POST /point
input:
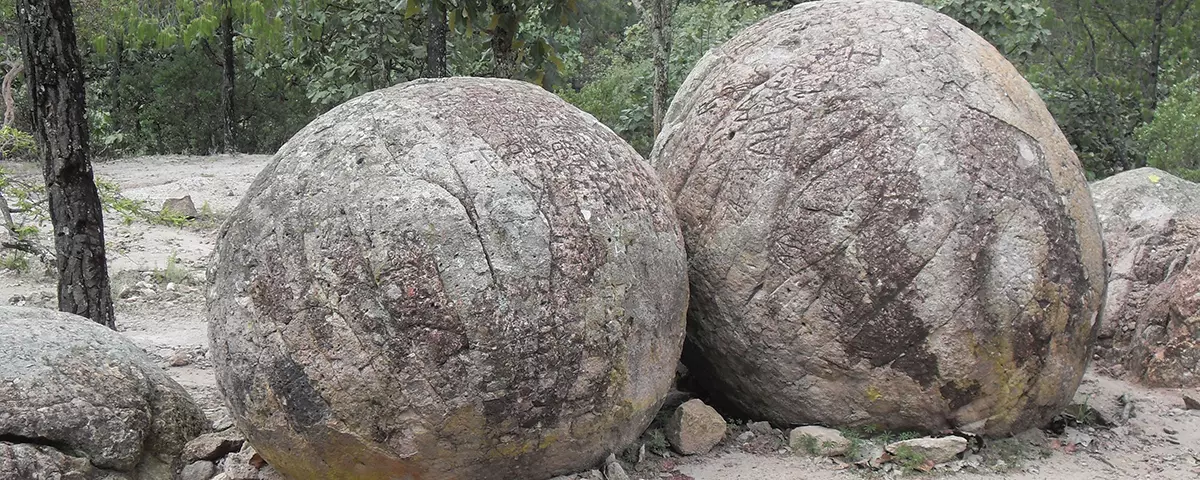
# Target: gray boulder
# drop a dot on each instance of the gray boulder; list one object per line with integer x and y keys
{"x": 695, "y": 428}
{"x": 884, "y": 226}
{"x": 818, "y": 440}
{"x": 1151, "y": 225}
{"x": 78, "y": 400}
{"x": 461, "y": 278}
{"x": 180, "y": 207}
{"x": 929, "y": 449}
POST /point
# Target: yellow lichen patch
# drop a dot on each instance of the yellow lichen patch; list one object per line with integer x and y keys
{"x": 1006, "y": 382}
{"x": 336, "y": 455}
{"x": 873, "y": 393}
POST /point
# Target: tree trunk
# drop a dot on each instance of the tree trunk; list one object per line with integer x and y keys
{"x": 54, "y": 72}
{"x": 660, "y": 36}
{"x": 10, "y": 111}
{"x": 435, "y": 41}
{"x": 1154, "y": 63}
{"x": 227, "y": 78}
{"x": 503, "y": 57}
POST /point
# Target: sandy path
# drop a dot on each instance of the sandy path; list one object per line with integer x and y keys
{"x": 168, "y": 322}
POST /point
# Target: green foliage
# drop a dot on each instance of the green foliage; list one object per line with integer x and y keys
{"x": 1015, "y": 27}
{"x": 810, "y": 445}
{"x": 17, "y": 145}
{"x": 173, "y": 273}
{"x": 15, "y": 261}
{"x": 908, "y": 458}
{"x": 619, "y": 96}
{"x": 1172, "y": 140}
{"x": 656, "y": 441}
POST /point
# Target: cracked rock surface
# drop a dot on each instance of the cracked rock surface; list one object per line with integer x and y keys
{"x": 461, "y": 278}
{"x": 1152, "y": 312}
{"x": 884, "y": 226}
{"x": 78, "y": 400}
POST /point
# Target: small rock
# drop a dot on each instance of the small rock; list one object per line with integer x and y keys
{"x": 937, "y": 450}
{"x": 817, "y": 440}
{"x": 744, "y": 436}
{"x": 1190, "y": 402}
{"x": 695, "y": 428}
{"x": 222, "y": 422}
{"x": 613, "y": 469}
{"x": 594, "y": 475}
{"x": 171, "y": 286}
{"x": 1169, "y": 431}
{"x": 221, "y": 476}
{"x": 180, "y": 207}
{"x": 201, "y": 470}
{"x": 212, "y": 446}
{"x": 180, "y": 359}
{"x": 761, "y": 428}
{"x": 1077, "y": 437}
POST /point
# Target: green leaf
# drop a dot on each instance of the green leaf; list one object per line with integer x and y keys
{"x": 100, "y": 44}
{"x": 413, "y": 8}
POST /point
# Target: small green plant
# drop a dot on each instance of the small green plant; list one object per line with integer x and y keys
{"x": 1084, "y": 414}
{"x": 908, "y": 458}
{"x": 860, "y": 447}
{"x": 656, "y": 440}
{"x": 18, "y": 145}
{"x": 810, "y": 445}
{"x": 170, "y": 218}
{"x": 173, "y": 273}
{"x": 15, "y": 261}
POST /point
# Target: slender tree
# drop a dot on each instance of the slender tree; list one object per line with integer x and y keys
{"x": 228, "y": 63}
{"x": 659, "y": 12}
{"x": 54, "y": 73}
{"x": 503, "y": 33}
{"x": 435, "y": 40}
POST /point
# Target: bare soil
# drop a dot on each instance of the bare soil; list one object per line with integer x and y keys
{"x": 158, "y": 277}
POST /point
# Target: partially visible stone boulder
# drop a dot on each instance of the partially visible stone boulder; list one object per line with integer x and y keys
{"x": 884, "y": 226}
{"x": 613, "y": 469}
{"x": 931, "y": 449}
{"x": 212, "y": 446}
{"x": 180, "y": 207}
{"x": 199, "y": 470}
{"x": 818, "y": 440}
{"x": 1151, "y": 225}
{"x": 448, "y": 279}
{"x": 25, "y": 461}
{"x": 75, "y": 395}
{"x": 695, "y": 428}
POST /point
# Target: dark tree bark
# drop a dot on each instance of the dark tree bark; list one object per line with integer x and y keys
{"x": 435, "y": 41}
{"x": 660, "y": 36}
{"x": 54, "y": 72}
{"x": 503, "y": 55}
{"x": 227, "y": 79}
{"x": 1154, "y": 63}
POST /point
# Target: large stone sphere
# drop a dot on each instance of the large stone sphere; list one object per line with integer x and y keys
{"x": 453, "y": 279}
{"x": 885, "y": 226}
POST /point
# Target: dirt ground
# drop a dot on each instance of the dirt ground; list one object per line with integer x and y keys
{"x": 158, "y": 274}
